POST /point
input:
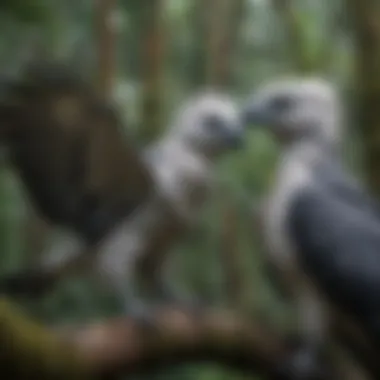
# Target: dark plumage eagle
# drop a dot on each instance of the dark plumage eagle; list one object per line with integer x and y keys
{"x": 320, "y": 225}
{"x": 118, "y": 206}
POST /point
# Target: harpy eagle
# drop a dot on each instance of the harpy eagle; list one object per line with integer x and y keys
{"x": 180, "y": 167}
{"x": 321, "y": 228}
{"x": 182, "y": 164}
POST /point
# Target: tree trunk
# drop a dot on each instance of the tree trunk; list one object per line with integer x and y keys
{"x": 152, "y": 62}
{"x": 295, "y": 35}
{"x": 106, "y": 39}
{"x": 197, "y": 50}
{"x": 365, "y": 16}
{"x": 224, "y": 17}
{"x": 215, "y": 39}
{"x": 303, "y": 60}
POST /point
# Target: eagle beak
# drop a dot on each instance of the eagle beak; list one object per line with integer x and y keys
{"x": 233, "y": 136}
{"x": 256, "y": 114}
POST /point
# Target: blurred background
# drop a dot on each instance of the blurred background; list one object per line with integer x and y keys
{"x": 149, "y": 55}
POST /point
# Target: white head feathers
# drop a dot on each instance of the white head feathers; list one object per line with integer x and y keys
{"x": 208, "y": 122}
{"x": 298, "y": 107}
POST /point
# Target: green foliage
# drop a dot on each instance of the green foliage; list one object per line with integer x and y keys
{"x": 27, "y": 11}
{"x": 66, "y": 30}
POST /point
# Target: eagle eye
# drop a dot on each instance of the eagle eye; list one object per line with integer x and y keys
{"x": 280, "y": 104}
{"x": 214, "y": 122}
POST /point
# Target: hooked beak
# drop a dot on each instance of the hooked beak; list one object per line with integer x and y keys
{"x": 255, "y": 113}
{"x": 233, "y": 136}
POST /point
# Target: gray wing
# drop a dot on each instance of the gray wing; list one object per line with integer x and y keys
{"x": 331, "y": 174}
{"x": 339, "y": 247}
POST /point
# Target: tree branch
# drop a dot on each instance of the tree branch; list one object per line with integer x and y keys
{"x": 127, "y": 346}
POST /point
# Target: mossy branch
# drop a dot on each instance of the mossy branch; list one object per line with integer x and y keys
{"x": 126, "y": 346}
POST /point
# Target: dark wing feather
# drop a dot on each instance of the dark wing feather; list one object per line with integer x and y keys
{"x": 339, "y": 247}
{"x": 74, "y": 158}
{"x": 116, "y": 178}
{"x": 331, "y": 174}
